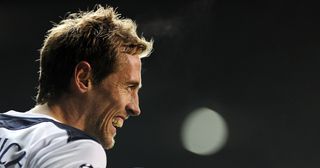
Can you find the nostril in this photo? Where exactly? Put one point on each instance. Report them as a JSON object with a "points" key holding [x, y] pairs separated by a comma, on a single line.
{"points": [[132, 111]]}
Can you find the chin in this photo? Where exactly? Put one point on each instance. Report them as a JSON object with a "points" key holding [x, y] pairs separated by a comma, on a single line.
{"points": [[109, 143]]}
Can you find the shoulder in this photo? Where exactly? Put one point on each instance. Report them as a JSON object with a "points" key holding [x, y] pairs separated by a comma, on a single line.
{"points": [[21, 121], [73, 154], [51, 144]]}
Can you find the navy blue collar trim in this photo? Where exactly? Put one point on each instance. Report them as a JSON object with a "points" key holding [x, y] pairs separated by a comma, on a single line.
{"points": [[16, 123]]}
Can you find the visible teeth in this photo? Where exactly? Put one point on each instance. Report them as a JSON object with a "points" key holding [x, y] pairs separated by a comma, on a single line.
{"points": [[117, 122]]}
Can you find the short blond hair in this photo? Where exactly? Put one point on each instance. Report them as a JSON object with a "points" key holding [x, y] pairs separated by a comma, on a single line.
{"points": [[96, 36]]}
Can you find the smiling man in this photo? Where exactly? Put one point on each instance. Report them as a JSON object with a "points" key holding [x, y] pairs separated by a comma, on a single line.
{"points": [[90, 75]]}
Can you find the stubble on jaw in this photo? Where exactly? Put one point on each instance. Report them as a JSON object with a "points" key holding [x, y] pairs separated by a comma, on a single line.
{"points": [[98, 126]]}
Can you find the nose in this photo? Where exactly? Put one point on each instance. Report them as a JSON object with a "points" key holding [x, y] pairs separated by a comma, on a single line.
{"points": [[133, 108]]}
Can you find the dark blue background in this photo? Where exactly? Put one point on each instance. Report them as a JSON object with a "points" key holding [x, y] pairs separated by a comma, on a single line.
{"points": [[255, 62]]}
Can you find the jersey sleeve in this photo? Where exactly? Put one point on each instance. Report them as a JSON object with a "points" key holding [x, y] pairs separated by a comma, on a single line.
{"points": [[75, 154]]}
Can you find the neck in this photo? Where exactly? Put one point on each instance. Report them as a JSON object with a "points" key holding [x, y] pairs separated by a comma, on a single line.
{"points": [[67, 111]]}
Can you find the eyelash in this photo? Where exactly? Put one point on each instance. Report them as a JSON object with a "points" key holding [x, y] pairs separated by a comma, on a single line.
{"points": [[131, 87]]}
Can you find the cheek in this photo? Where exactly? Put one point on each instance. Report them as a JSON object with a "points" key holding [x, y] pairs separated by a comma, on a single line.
{"points": [[116, 107], [109, 104], [104, 128], [123, 98]]}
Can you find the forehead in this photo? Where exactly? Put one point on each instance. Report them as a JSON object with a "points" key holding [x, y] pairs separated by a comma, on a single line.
{"points": [[127, 71], [127, 61], [129, 66]]}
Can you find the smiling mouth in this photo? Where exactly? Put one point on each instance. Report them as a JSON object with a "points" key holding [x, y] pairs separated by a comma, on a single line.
{"points": [[117, 122]]}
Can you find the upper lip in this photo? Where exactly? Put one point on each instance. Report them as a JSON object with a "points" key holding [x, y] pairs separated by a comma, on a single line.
{"points": [[123, 117]]}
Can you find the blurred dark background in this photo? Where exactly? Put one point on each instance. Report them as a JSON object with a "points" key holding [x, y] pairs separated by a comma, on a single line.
{"points": [[254, 62]]}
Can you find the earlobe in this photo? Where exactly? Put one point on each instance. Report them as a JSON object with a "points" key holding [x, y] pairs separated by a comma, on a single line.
{"points": [[82, 76]]}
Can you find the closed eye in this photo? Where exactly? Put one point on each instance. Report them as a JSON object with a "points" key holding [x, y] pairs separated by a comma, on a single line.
{"points": [[134, 85]]}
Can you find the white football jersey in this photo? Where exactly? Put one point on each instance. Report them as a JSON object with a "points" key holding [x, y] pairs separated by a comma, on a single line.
{"points": [[31, 140]]}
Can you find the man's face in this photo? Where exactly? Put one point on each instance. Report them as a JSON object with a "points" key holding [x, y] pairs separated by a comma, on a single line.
{"points": [[114, 100]]}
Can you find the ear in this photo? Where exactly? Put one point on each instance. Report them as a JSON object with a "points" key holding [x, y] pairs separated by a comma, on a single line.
{"points": [[82, 77]]}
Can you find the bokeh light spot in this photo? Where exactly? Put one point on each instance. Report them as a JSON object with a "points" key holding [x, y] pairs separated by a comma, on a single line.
{"points": [[204, 132]]}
